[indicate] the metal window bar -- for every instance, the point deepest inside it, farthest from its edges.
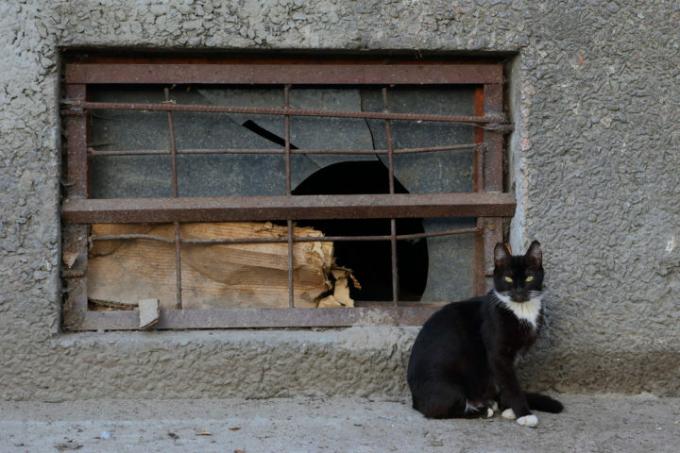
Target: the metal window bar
(175, 194)
(488, 121)
(307, 207)
(393, 223)
(289, 222)
(478, 186)
(75, 235)
(270, 71)
(311, 151)
(253, 240)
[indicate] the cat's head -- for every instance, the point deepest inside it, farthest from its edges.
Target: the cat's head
(519, 277)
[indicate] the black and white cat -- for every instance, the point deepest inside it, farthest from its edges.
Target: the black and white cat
(462, 361)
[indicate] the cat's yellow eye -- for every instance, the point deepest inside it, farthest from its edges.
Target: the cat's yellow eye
(508, 279)
(529, 279)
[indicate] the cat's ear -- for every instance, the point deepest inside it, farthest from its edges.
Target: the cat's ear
(534, 255)
(501, 255)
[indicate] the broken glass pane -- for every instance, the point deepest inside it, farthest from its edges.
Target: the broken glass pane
(325, 133)
(449, 171)
(450, 276)
(432, 269)
(199, 174)
(129, 176)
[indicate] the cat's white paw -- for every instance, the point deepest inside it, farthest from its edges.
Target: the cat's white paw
(489, 412)
(494, 406)
(528, 420)
(509, 414)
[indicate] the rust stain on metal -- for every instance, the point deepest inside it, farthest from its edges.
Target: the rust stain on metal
(76, 136)
(75, 236)
(265, 317)
(286, 128)
(175, 194)
(276, 152)
(254, 240)
(281, 73)
(491, 120)
(487, 202)
(224, 209)
(479, 281)
(493, 105)
(393, 225)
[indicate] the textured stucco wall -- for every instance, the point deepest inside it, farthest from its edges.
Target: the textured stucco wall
(595, 93)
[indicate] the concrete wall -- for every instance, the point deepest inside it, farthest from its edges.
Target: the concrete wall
(595, 91)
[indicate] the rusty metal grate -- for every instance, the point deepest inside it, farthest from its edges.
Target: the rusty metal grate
(487, 202)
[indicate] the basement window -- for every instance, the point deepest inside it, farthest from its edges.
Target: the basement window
(278, 193)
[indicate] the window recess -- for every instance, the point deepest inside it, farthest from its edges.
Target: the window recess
(277, 193)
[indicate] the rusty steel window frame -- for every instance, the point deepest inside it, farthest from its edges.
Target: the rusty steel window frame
(488, 202)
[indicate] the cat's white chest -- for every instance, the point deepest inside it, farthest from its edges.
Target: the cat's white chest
(524, 311)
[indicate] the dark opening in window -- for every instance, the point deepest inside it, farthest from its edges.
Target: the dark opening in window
(370, 261)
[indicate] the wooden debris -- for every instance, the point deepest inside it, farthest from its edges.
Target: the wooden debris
(149, 313)
(124, 271)
(69, 259)
(108, 305)
(340, 296)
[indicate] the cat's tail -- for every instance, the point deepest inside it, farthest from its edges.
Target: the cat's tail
(544, 403)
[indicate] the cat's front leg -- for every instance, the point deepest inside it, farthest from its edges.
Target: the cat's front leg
(511, 395)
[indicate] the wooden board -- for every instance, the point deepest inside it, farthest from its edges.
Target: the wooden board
(149, 313)
(213, 276)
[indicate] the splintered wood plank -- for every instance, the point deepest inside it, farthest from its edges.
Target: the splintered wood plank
(214, 275)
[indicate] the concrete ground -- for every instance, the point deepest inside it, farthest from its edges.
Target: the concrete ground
(604, 423)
